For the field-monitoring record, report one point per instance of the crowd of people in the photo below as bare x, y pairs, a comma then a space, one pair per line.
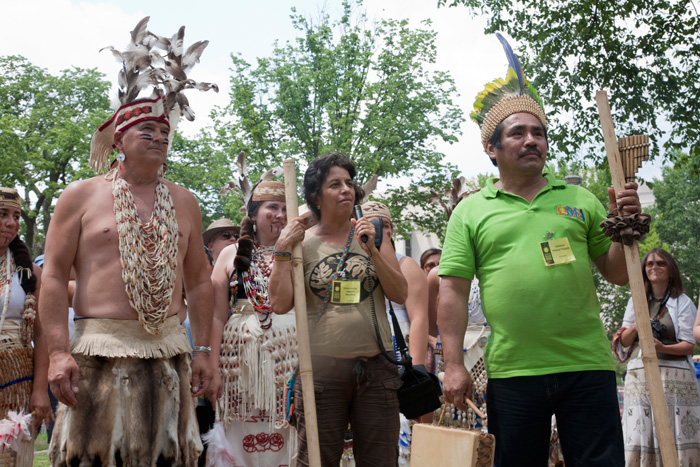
181, 333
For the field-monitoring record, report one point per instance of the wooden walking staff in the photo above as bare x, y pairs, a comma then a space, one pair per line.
305, 371
624, 162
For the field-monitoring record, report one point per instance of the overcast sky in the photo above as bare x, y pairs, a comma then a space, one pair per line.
58, 34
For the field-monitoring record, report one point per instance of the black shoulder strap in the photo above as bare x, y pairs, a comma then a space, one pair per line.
406, 359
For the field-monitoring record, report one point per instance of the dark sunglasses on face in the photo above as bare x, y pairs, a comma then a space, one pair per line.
661, 264
429, 266
228, 235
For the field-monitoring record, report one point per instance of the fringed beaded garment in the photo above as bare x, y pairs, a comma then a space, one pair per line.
258, 354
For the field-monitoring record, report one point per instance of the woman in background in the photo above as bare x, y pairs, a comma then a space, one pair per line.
672, 315
255, 350
23, 370
429, 259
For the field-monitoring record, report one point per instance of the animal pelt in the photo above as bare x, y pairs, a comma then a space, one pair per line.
130, 412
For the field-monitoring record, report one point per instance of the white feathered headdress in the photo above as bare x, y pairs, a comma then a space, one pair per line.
149, 60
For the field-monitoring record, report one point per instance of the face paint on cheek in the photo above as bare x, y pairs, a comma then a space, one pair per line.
146, 136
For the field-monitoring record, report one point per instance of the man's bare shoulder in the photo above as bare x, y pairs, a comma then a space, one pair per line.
81, 188
80, 192
181, 195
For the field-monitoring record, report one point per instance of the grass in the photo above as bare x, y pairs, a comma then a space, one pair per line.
41, 460
41, 445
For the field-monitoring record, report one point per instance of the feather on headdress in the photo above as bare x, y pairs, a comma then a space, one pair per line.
502, 98
267, 188
149, 60
460, 190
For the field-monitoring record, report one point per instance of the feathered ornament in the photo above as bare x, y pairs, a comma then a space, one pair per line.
460, 190
219, 451
242, 184
502, 98
152, 61
14, 429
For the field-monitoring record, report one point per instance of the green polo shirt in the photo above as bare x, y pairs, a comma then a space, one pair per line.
543, 319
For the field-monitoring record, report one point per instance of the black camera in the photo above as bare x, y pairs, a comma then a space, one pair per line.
658, 329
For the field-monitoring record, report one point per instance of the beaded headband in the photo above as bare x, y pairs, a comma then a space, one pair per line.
503, 98
9, 198
125, 117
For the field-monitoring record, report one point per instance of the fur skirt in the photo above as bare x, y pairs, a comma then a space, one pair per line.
131, 411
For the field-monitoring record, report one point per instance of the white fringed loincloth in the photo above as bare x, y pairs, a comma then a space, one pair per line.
128, 338
131, 410
255, 364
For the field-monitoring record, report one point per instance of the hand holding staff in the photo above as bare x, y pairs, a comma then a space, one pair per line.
641, 310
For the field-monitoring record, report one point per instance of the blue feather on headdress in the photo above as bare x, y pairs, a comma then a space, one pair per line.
514, 84
513, 62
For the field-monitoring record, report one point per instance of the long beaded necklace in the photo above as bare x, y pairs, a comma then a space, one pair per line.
256, 284
148, 253
6, 284
340, 271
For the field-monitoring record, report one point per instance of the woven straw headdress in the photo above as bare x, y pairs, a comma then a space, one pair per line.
376, 209
503, 98
10, 198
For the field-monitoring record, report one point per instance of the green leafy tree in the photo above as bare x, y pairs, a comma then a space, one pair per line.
46, 122
367, 90
417, 212
646, 54
675, 215
195, 164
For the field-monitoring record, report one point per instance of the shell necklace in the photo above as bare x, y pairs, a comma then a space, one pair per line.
148, 253
256, 284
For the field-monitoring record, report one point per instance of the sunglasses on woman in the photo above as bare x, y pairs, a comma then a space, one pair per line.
228, 235
660, 263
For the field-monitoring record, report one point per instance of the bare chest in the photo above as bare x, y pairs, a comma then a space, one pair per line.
99, 229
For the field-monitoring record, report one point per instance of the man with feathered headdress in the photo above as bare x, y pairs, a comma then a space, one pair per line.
126, 380
530, 239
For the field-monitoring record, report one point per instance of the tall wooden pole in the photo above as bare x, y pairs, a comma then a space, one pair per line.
659, 408
305, 370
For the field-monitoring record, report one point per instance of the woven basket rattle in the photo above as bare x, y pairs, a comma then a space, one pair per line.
451, 446
16, 377
456, 438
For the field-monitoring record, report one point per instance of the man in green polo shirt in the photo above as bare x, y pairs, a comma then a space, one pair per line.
530, 239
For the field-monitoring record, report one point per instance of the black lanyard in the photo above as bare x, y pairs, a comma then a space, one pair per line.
662, 306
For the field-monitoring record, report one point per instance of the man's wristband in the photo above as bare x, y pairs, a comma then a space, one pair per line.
202, 348
282, 256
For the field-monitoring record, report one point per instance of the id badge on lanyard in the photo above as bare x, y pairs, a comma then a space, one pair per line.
556, 252
346, 291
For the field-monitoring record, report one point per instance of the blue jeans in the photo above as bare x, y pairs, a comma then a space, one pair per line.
588, 419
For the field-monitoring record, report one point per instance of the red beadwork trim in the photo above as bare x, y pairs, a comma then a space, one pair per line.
146, 109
